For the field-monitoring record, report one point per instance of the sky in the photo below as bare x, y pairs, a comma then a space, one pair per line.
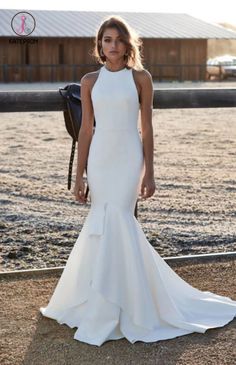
208, 10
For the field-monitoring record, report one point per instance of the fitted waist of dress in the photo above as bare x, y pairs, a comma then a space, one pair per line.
134, 129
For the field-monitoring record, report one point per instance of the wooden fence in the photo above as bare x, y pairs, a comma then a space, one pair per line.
165, 98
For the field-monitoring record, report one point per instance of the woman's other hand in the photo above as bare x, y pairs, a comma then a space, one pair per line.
148, 186
80, 190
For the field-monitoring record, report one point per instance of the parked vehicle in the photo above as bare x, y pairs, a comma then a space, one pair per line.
221, 67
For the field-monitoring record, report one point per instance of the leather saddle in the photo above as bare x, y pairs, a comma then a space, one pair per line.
73, 120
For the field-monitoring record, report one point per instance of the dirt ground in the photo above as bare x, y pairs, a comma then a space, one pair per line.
28, 338
191, 212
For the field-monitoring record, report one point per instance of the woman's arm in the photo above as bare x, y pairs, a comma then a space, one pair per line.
146, 108
85, 136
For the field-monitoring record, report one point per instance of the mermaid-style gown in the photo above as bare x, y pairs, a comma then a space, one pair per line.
114, 283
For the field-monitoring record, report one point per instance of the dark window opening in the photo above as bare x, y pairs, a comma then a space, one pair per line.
24, 51
61, 54
27, 61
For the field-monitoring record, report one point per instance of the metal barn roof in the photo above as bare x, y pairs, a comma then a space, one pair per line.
57, 23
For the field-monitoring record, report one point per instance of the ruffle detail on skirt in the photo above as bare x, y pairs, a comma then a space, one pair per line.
96, 220
116, 285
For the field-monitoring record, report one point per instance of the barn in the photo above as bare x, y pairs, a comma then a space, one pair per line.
56, 45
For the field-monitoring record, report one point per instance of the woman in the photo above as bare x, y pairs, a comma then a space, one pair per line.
115, 284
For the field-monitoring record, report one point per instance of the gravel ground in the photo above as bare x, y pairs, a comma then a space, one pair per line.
193, 210
28, 338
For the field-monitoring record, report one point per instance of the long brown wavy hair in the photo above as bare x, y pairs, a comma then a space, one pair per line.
129, 36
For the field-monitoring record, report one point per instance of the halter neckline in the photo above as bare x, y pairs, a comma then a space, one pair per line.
113, 72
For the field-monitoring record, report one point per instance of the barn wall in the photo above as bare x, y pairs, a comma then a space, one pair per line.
46, 53
170, 52
194, 52
161, 52
63, 52
11, 54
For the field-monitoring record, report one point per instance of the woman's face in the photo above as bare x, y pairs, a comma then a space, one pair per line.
113, 46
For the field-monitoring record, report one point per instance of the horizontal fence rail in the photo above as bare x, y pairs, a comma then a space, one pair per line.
165, 98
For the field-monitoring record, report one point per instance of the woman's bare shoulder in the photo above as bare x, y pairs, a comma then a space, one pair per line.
143, 75
89, 78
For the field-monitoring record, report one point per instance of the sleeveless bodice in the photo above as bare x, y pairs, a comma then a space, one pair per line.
115, 100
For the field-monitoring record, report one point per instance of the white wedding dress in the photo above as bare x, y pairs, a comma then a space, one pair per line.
115, 284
